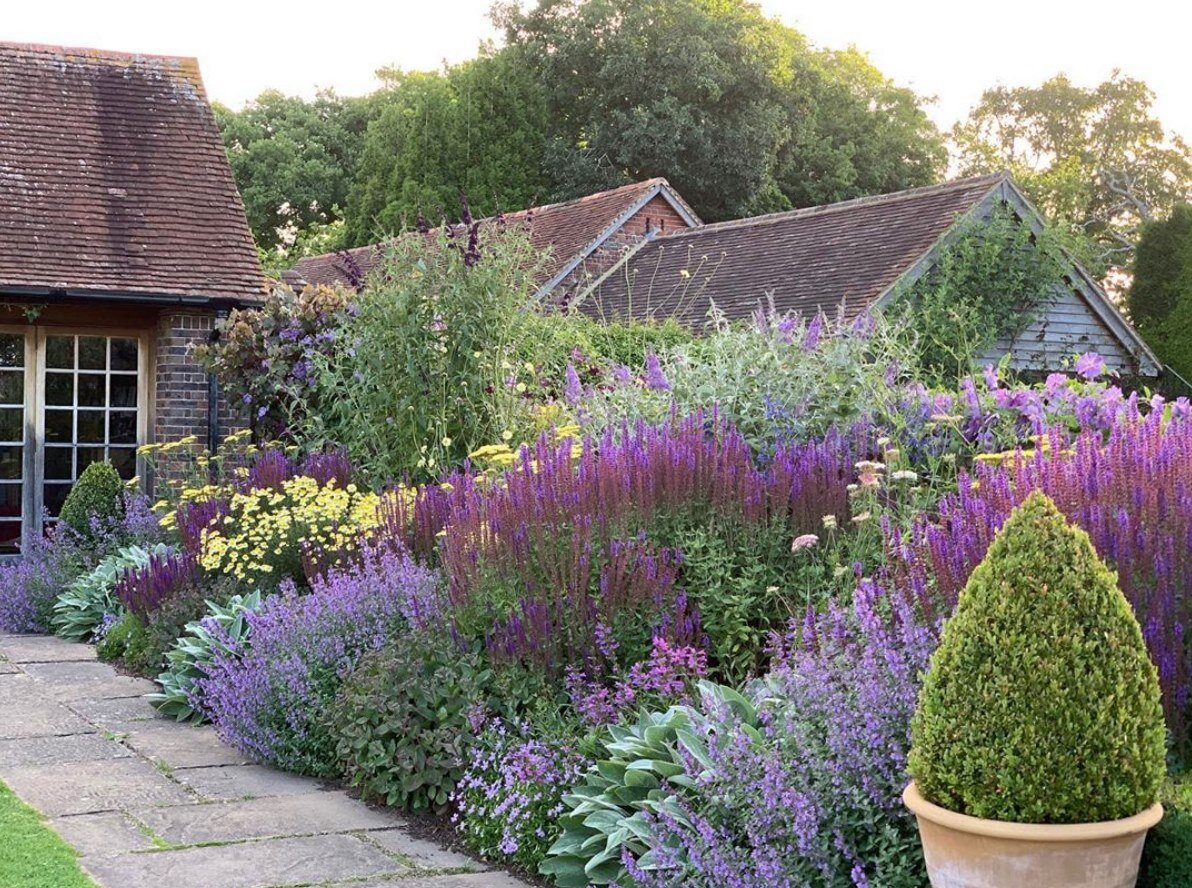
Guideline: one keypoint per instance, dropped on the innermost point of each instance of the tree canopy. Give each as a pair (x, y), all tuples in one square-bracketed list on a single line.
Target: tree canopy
[(1160, 296), (293, 160), (1095, 158)]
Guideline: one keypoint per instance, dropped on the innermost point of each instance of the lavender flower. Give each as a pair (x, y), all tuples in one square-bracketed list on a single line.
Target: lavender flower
[(268, 699)]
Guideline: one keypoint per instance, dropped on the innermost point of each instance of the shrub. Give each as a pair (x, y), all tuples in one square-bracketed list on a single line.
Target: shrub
[(127, 640), (81, 607), (265, 356), (268, 698), (223, 629), (1041, 705), (509, 797), (826, 756), (1167, 855), (95, 498), (577, 542), (270, 535), (1126, 488), (31, 585), (402, 720), (775, 378), (427, 370)]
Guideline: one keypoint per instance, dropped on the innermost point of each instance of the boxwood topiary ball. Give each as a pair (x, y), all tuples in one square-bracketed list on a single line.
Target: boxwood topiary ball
[(1041, 704), (96, 494)]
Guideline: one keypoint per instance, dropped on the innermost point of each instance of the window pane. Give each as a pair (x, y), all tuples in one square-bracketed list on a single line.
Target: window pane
[(124, 391), (12, 424), (125, 461), (60, 389), (124, 354), (93, 353), (10, 500), (86, 456), (55, 496), (59, 425), (93, 390), (91, 427), (10, 537), (59, 463), (122, 427), (60, 352), (12, 350), (11, 463), (12, 386)]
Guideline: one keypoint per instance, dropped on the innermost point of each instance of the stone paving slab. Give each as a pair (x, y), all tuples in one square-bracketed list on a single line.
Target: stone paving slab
[(424, 854), (44, 649), (191, 747), (323, 812), (151, 803), (86, 680), (117, 714), (73, 748), (39, 719), (281, 862), (7, 668), (114, 785), (102, 835), (230, 782)]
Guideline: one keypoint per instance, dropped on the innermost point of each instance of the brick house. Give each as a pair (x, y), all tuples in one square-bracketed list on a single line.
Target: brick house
[(122, 240), (585, 237)]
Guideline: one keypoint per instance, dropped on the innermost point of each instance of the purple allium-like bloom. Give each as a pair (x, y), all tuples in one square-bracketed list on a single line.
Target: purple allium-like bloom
[(655, 379), (574, 389)]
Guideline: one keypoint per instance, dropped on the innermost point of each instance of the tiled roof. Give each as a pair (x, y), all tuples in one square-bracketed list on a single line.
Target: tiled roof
[(805, 260), (567, 229), (113, 179)]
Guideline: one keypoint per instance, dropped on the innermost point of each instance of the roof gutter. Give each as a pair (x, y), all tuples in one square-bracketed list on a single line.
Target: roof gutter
[(156, 299)]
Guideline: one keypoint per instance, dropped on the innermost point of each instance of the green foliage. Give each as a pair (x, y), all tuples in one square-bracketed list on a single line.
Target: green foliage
[(1095, 160), (95, 496), (638, 772), (477, 128), (1041, 704), (127, 640), (81, 607), (401, 721), (263, 355), (788, 377), (198, 645), (735, 109), (1167, 855), (986, 284), (423, 376), (294, 161), (1162, 268), (550, 341), (1160, 296)]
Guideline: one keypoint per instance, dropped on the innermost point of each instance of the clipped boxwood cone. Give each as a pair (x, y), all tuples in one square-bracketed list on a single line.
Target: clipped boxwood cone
[(1038, 744)]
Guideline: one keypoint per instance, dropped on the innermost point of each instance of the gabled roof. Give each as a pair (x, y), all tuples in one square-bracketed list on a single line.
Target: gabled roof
[(571, 230), (114, 180), (806, 260), (853, 254)]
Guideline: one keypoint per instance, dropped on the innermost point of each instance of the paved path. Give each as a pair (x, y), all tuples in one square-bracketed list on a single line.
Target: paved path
[(150, 803)]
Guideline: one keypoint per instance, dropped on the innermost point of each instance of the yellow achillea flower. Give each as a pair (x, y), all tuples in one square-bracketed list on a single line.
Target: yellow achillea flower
[(267, 531)]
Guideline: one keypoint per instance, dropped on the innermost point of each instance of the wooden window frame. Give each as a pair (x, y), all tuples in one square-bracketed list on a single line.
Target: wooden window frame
[(33, 458)]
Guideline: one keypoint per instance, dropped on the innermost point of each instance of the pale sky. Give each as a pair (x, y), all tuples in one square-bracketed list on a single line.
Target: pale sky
[(948, 49)]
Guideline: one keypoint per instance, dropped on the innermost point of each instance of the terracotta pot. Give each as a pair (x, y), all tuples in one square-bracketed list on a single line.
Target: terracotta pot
[(968, 852)]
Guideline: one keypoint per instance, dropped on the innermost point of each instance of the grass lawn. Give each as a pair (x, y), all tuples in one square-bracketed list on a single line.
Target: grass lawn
[(31, 854)]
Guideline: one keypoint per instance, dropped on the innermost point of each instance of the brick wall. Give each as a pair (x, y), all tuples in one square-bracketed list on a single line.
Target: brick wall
[(657, 216), (181, 385)]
